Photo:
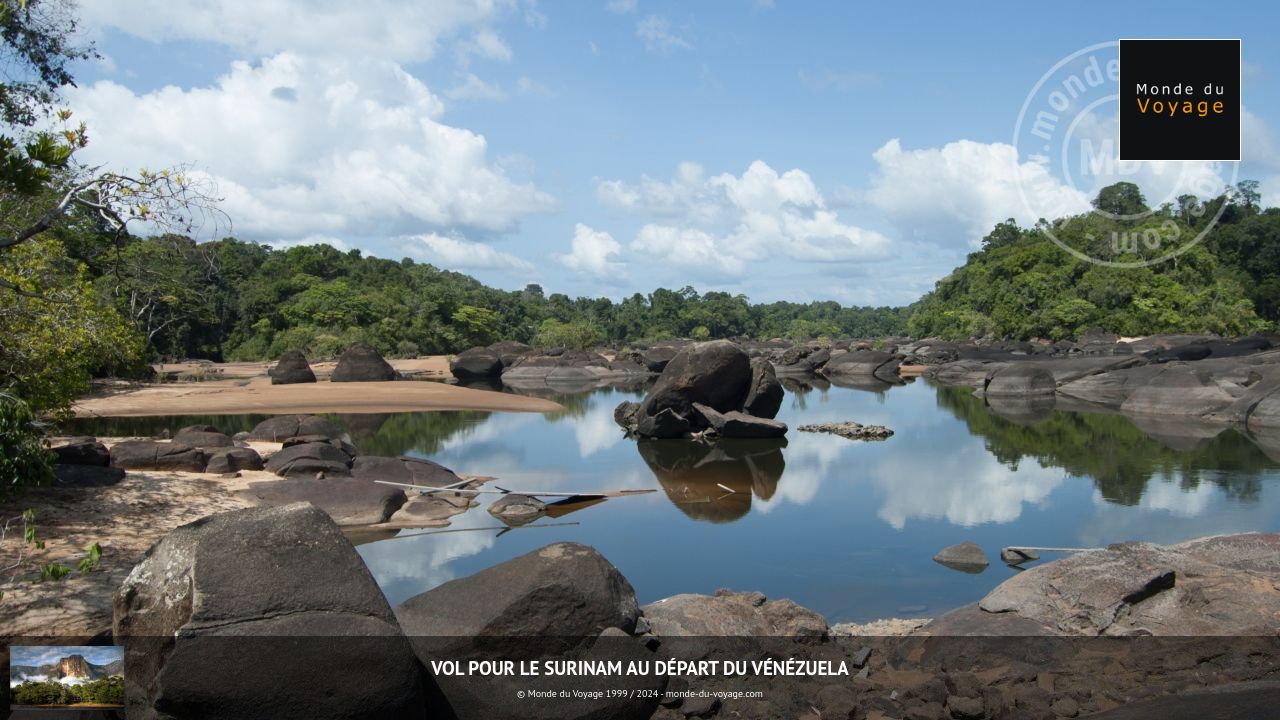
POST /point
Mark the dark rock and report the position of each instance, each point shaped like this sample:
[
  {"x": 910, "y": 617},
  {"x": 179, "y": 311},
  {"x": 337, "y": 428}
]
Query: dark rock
[
  {"x": 411, "y": 471},
  {"x": 254, "y": 600},
  {"x": 1184, "y": 391},
  {"x": 764, "y": 399},
  {"x": 517, "y": 509},
  {"x": 625, "y": 415},
  {"x": 302, "y": 459},
  {"x": 200, "y": 438},
  {"x": 665, "y": 425},
  {"x": 232, "y": 460},
  {"x": 1021, "y": 379},
  {"x": 565, "y": 593},
  {"x": 730, "y": 614},
  {"x": 1184, "y": 353},
  {"x": 694, "y": 475},
  {"x": 82, "y": 451},
  {"x": 361, "y": 363},
  {"x": 508, "y": 351},
  {"x": 1225, "y": 702},
  {"x": 700, "y": 707},
  {"x": 656, "y": 358},
  {"x": 1018, "y": 556},
  {"x": 283, "y": 427},
  {"x": 966, "y": 708},
  {"x": 85, "y": 475},
  {"x": 478, "y": 362},
  {"x": 152, "y": 455},
  {"x": 966, "y": 557},
  {"x": 291, "y": 369},
  {"x": 346, "y": 500},
  {"x": 717, "y": 374},
  {"x": 739, "y": 425},
  {"x": 864, "y": 362}
]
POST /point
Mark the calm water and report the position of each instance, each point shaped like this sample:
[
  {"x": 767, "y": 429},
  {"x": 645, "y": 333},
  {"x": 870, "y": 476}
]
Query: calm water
[{"x": 846, "y": 528}]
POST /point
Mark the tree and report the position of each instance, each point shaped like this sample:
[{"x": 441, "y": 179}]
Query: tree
[{"x": 1122, "y": 199}]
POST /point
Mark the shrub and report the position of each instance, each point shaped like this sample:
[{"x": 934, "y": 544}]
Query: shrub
[{"x": 23, "y": 459}]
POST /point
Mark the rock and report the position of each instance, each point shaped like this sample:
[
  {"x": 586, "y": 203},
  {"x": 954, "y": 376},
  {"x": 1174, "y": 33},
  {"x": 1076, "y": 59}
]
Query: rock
[
  {"x": 411, "y": 471},
  {"x": 565, "y": 594},
  {"x": 201, "y": 438},
  {"x": 339, "y": 443},
  {"x": 283, "y": 427},
  {"x": 700, "y": 707},
  {"x": 68, "y": 476},
  {"x": 1018, "y": 556},
  {"x": 1217, "y": 586},
  {"x": 152, "y": 455},
  {"x": 966, "y": 708},
  {"x": 1021, "y": 379},
  {"x": 717, "y": 374},
  {"x": 1183, "y": 391},
  {"x": 737, "y": 425},
  {"x": 625, "y": 415},
  {"x": 82, "y": 451},
  {"x": 1224, "y": 702},
  {"x": 291, "y": 369},
  {"x": 256, "y": 601},
  {"x": 1110, "y": 388},
  {"x": 1184, "y": 353},
  {"x": 851, "y": 430},
  {"x": 517, "y": 509},
  {"x": 508, "y": 351},
  {"x": 361, "y": 363},
  {"x": 232, "y": 460},
  {"x": 1065, "y": 707},
  {"x": 730, "y": 614},
  {"x": 665, "y": 425},
  {"x": 478, "y": 362},
  {"x": 656, "y": 358},
  {"x": 346, "y": 500},
  {"x": 764, "y": 398},
  {"x": 864, "y": 362},
  {"x": 1096, "y": 335},
  {"x": 966, "y": 557},
  {"x": 309, "y": 458},
  {"x": 694, "y": 475}
]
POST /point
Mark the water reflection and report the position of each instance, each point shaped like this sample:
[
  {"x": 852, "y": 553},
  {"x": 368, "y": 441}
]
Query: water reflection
[{"x": 715, "y": 482}]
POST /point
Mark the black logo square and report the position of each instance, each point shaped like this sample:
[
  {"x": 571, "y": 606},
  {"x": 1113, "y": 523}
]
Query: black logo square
[{"x": 1179, "y": 99}]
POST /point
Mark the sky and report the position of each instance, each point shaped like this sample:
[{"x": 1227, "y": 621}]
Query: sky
[{"x": 784, "y": 150}]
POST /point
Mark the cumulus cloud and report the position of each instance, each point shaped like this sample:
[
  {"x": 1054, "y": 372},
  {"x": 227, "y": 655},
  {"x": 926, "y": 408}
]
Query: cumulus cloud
[
  {"x": 473, "y": 88},
  {"x": 592, "y": 253},
  {"x": 301, "y": 146},
  {"x": 401, "y": 30},
  {"x": 485, "y": 44},
  {"x": 960, "y": 191},
  {"x": 456, "y": 253},
  {"x": 721, "y": 223},
  {"x": 656, "y": 32}
]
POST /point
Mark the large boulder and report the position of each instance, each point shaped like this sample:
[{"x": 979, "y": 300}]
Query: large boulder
[
  {"x": 81, "y": 476},
  {"x": 476, "y": 363},
  {"x": 261, "y": 613},
  {"x": 1216, "y": 586},
  {"x": 153, "y": 455},
  {"x": 764, "y": 398},
  {"x": 732, "y": 614},
  {"x": 1021, "y": 380},
  {"x": 410, "y": 471},
  {"x": 737, "y": 425},
  {"x": 716, "y": 374},
  {"x": 307, "y": 459},
  {"x": 82, "y": 451},
  {"x": 361, "y": 363},
  {"x": 235, "y": 459},
  {"x": 283, "y": 427},
  {"x": 965, "y": 557},
  {"x": 1181, "y": 390},
  {"x": 1110, "y": 388},
  {"x": 864, "y": 362},
  {"x": 656, "y": 358},
  {"x": 346, "y": 500},
  {"x": 291, "y": 369},
  {"x": 508, "y": 351},
  {"x": 202, "y": 436}
]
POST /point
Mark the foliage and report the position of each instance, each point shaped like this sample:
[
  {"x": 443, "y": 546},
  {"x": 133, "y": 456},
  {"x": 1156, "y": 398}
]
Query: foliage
[
  {"x": 1021, "y": 286},
  {"x": 23, "y": 459},
  {"x": 572, "y": 335},
  {"x": 55, "y": 329},
  {"x": 104, "y": 691}
]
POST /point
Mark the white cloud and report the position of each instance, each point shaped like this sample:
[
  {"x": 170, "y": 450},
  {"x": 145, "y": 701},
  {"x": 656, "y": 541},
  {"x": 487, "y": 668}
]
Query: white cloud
[
  {"x": 473, "y": 88},
  {"x": 485, "y": 44},
  {"x": 592, "y": 253},
  {"x": 656, "y": 32},
  {"x": 621, "y": 6},
  {"x": 456, "y": 253},
  {"x": 960, "y": 191},
  {"x": 719, "y": 224},
  {"x": 301, "y": 146},
  {"x": 402, "y": 30}
]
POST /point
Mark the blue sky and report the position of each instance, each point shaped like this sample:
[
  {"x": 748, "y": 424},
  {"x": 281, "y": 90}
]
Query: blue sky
[
  {"x": 608, "y": 147},
  {"x": 38, "y": 655}
]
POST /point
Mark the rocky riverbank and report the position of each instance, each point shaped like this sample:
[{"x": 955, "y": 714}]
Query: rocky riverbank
[{"x": 280, "y": 588}]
